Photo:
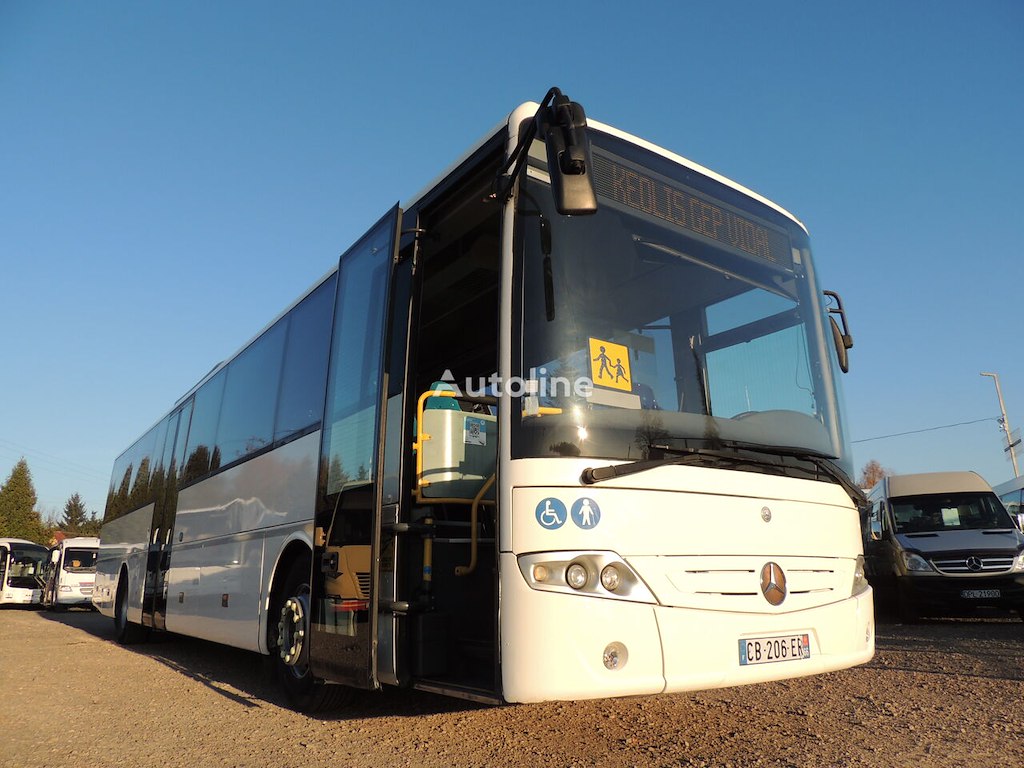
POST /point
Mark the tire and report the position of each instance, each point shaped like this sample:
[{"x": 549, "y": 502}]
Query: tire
[
  {"x": 303, "y": 692},
  {"x": 125, "y": 632}
]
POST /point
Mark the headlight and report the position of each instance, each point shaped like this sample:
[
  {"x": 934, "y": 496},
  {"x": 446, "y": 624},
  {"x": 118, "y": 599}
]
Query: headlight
[
  {"x": 595, "y": 574},
  {"x": 914, "y": 563},
  {"x": 610, "y": 578},
  {"x": 576, "y": 576},
  {"x": 860, "y": 580},
  {"x": 1018, "y": 562}
]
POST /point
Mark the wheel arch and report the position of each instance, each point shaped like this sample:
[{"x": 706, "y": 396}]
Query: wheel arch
[{"x": 293, "y": 550}]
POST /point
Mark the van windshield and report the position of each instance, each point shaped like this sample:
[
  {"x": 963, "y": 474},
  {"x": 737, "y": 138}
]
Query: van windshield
[
  {"x": 80, "y": 560},
  {"x": 934, "y": 513}
]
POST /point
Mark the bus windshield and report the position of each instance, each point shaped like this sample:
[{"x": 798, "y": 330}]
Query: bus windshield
[
  {"x": 691, "y": 308},
  {"x": 952, "y": 512},
  {"x": 26, "y": 565}
]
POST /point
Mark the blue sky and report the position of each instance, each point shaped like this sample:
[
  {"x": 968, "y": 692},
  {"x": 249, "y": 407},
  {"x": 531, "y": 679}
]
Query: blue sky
[{"x": 174, "y": 174}]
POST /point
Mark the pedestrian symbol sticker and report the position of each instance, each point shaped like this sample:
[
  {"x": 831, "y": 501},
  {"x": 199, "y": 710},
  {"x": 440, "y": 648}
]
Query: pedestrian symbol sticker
[
  {"x": 609, "y": 365},
  {"x": 551, "y": 514},
  {"x": 585, "y": 513}
]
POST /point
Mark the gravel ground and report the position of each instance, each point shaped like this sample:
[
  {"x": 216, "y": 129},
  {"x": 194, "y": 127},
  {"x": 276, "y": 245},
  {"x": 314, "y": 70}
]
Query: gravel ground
[{"x": 940, "y": 693}]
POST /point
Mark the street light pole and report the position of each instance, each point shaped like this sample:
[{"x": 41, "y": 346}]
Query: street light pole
[{"x": 1006, "y": 424}]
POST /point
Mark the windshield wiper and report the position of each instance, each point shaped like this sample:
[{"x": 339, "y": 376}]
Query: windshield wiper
[{"x": 821, "y": 461}]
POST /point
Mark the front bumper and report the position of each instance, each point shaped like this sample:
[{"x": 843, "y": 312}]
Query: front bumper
[{"x": 553, "y": 645}]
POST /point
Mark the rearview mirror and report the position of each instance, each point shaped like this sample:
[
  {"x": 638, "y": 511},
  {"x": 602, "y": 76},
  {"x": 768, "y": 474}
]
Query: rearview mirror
[
  {"x": 841, "y": 338},
  {"x": 563, "y": 128},
  {"x": 876, "y": 530}
]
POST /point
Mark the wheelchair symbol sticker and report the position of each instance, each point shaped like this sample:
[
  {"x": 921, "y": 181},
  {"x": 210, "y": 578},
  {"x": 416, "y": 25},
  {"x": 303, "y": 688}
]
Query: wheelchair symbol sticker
[
  {"x": 551, "y": 514},
  {"x": 585, "y": 513}
]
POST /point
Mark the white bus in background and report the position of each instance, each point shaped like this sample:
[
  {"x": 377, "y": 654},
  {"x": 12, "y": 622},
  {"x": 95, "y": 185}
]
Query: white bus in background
[
  {"x": 567, "y": 426},
  {"x": 21, "y": 567},
  {"x": 70, "y": 573}
]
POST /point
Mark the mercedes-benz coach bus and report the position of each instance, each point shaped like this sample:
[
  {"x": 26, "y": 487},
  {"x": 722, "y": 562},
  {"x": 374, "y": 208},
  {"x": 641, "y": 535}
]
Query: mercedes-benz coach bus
[{"x": 566, "y": 425}]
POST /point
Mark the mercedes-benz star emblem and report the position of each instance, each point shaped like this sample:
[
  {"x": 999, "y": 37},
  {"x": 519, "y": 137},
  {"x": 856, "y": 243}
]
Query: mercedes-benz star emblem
[
  {"x": 974, "y": 563},
  {"x": 773, "y": 583}
]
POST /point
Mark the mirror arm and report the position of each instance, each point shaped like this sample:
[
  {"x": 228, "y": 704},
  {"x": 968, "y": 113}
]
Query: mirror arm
[
  {"x": 839, "y": 310},
  {"x": 505, "y": 181},
  {"x": 562, "y": 125}
]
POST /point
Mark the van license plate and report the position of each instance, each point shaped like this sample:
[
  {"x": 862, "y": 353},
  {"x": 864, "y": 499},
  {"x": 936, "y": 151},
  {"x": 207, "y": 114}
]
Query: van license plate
[
  {"x": 979, "y": 594},
  {"x": 765, "y": 650}
]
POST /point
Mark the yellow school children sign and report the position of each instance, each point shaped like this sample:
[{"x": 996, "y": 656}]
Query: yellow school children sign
[{"x": 609, "y": 365}]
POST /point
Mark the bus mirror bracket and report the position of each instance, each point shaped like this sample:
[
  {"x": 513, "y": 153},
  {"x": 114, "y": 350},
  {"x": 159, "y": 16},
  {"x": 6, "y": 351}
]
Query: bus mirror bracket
[
  {"x": 562, "y": 125},
  {"x": 563, "y": 128},
  {"x": 841, "y": 338}
]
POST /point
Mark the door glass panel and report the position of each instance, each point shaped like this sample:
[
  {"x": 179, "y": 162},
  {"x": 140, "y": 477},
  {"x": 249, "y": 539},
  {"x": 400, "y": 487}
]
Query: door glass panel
[{"x": 354, "y": 391}]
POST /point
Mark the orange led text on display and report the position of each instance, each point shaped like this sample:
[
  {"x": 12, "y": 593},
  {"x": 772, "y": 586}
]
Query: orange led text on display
[{"x": 674, "y": 205}]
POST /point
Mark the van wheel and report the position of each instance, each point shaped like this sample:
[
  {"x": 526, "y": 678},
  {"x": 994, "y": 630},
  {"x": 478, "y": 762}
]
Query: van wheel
[
  {"x": 125, "y": 632},
  {"x": 289, "y": 646}
]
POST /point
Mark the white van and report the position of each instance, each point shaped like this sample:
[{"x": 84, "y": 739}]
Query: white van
[
  {"x": 70, "y": 573},
  {"x": 942, "y": 543}
]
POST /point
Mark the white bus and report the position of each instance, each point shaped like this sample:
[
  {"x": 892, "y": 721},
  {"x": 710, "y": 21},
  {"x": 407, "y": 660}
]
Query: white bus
[
  {"x": 70, "y": 573},
  {"x": 566, "y": 425},
  {"x": 21, "y": 567}
]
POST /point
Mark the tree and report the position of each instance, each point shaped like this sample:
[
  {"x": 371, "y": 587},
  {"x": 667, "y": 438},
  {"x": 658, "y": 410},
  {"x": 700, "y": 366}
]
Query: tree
[
  {"x": 91, "y": 527},
  {"x": 74, "y": 516},
  {"x": 871, "y": 474},
  {"x": 18, "y": 515}
]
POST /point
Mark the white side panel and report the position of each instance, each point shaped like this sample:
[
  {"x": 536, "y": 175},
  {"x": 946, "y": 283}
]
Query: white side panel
[
  {"x": 228, "y": 535},
  {"x": 123, "y": 541}
]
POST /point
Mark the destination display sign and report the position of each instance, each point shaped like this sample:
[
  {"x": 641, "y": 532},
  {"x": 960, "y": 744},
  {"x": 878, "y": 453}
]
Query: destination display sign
[{"x": 690, "y": 210}]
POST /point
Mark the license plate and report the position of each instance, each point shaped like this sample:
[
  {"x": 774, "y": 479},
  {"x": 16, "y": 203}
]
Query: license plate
[
  {"x": 979, "y": 594},
  {"x": 765, "y": 650}
]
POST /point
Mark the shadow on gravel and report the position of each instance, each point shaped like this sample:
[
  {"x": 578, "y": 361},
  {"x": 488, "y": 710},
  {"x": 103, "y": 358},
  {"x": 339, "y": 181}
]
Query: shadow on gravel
[
  {"x": 988, "y": 646},
  {"x": 246, "y": 677}
]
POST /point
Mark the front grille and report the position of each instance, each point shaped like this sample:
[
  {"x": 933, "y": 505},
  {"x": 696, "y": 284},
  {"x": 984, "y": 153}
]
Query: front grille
[{"x": 970, "y": 564}]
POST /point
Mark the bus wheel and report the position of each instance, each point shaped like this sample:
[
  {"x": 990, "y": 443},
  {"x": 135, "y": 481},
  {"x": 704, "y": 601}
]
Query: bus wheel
[
  {"x": 289, "y": 646},
  {"x": 125, "y": 632}
]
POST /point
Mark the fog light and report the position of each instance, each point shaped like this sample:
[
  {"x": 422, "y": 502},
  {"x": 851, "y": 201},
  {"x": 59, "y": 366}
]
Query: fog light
[
  {"x": 610, "y": 578},
  {"x": 540, "y": 573},
  {"x": 615, "y": 656},
  {"x": 576, "y": 576}
]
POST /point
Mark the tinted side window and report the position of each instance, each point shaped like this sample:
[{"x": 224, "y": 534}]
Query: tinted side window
[
  {"x": 250, "y": 395},
  {"x": 146, "y": 452},
  {"x": 120, "y": 485},
  {"x": 304, "y": 378},
  {"x": 200, "y": 449}
]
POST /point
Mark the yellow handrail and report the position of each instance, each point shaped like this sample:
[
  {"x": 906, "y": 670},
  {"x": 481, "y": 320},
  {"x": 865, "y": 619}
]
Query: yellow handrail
[{"x": 465, "y": 570}]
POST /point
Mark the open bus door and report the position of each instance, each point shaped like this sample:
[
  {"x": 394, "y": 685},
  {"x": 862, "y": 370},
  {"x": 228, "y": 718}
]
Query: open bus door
[{"x": 343, "y": 621}]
